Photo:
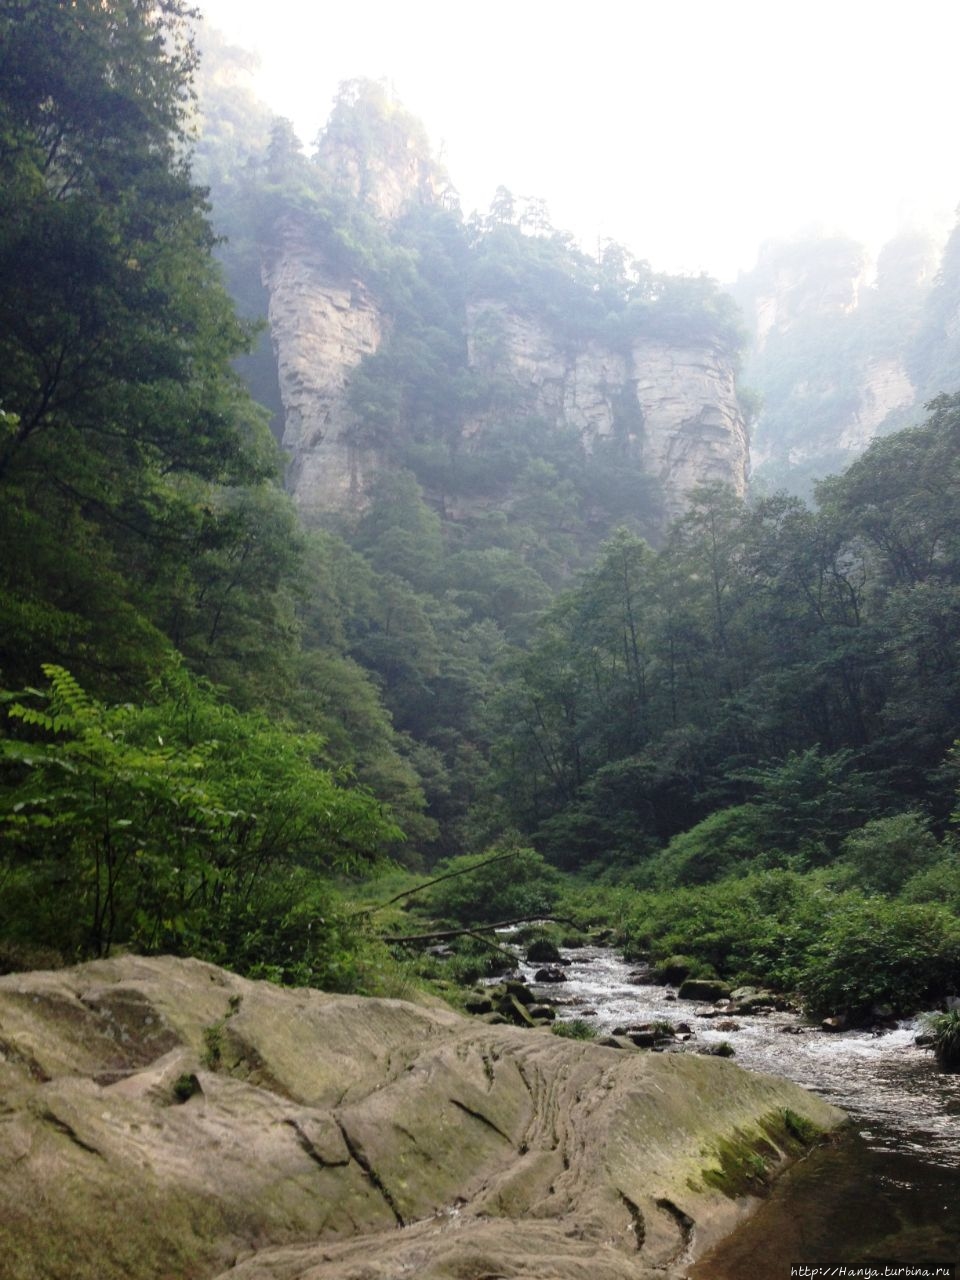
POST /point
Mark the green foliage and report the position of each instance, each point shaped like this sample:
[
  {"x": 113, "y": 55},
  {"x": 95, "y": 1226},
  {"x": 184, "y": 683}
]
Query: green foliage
[
  {"x": 887, "y": 852},
  {"x": 185, "y": 1087},
  {"x": 876, "y": 953},
  {"x": 574, "y": 1029},
  {"x": 944, "y": 1029},
  {"x": 938, "y": 883},
  {"x": 518, "y": 885},
  {"x": 160, "y": 824},
  {"x": 726, "y": 841},
  {"x": 760, "y": 924}
]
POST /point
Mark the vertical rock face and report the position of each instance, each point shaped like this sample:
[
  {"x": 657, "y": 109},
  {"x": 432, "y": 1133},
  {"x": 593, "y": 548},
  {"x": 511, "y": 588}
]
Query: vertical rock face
[
  {"x": 693, "y": 428},
  {"x": 672, "y": 408},
  {"x": 837, "y": 356},
  {"x": 322, "y": 325},
  {"x": 385, "y": 185},
  {"x": 886, "y": 388}
]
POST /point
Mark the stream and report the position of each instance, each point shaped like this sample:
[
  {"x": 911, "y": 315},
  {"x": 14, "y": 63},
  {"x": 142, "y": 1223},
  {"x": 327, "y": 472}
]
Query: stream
[{"x": 887, "y": 1194}]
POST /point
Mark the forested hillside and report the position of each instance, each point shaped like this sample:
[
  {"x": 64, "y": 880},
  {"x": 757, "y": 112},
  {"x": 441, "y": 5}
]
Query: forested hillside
[{"x": 733, "y": 731}]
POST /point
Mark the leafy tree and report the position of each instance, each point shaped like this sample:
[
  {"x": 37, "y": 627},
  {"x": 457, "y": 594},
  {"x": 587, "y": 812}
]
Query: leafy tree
[
  {"x": 886, "y": 852},
  {"x": 147, "y": 824}
]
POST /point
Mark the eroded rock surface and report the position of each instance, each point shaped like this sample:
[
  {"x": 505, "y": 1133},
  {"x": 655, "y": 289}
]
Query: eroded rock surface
[
  {"x": 322, "y": 322},
  {"x": 163, "y": 1118}
]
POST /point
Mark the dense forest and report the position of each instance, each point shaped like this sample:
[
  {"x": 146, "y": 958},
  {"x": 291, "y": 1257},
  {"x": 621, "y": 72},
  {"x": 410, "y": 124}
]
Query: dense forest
[{"x": 732, "y": 740}]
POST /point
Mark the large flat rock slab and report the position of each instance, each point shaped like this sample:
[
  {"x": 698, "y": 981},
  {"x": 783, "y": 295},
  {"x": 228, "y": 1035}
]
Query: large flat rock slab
[{"x": 162, "y": 1118}]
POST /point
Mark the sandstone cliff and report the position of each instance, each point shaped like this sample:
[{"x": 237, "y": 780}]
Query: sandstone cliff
[
  {"x": 322, "y": 322},
  {"x": 341, "y": 291},
  {"x": 163, "y": 1117},
  {"x": 833, "y": 355},
  {"x": 674, "y": 406}
]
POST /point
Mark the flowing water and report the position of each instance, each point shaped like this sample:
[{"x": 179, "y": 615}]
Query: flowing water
[{"x": 887, "y": 1194}]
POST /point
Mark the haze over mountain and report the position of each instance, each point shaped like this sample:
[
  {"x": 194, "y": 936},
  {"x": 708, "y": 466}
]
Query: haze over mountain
[{"x": 691, "y": 132}]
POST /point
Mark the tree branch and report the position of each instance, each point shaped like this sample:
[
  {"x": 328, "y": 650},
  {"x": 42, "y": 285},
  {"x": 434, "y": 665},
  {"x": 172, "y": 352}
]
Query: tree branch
[
  {"x": 448, "y": 875},
  {"x": 441, "y": 935}
]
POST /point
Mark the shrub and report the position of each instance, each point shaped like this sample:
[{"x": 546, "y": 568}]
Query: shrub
[
  {"x": 754, "y": 925},
  {"x": 886, "y": 852},
  {"x": 519, "y": 885},
  {"x": 874, "y": 952},
  {"x": 938, "y": 883},
  {"x": 945, "y": 1031},
  {"x": 712, "y": 849}
]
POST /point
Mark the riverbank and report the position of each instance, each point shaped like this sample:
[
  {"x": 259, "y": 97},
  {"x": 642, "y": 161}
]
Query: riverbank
[
  {"x": 888, "y": 1191},
  {"x": 188, "y": 1122}
]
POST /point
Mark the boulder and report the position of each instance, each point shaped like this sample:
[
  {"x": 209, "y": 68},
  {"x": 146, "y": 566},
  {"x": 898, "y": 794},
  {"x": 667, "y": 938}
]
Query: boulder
[
  {"x": 707, "y": 989},
  {"x": 674, "y": 970},
  {"x": 543, "y": 951},
  {"x": 543, "y": 1011},
  {"x": 836, "y": 1023},
  {"x": 478, "y": 1004},
  {"x": 514, "y": 1011},
  {"x": 519, "y": 990},
  {"x": 550, "y": 975}
]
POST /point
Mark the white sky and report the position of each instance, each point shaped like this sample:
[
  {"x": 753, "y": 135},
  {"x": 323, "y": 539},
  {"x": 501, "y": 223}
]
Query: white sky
[{"x": 689, "y": 130}]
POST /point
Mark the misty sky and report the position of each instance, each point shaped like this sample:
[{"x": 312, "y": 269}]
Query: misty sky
[{"x": 689, "y": 130}]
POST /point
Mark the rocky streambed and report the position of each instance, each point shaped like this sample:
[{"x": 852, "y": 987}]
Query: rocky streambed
[
  {"x": 162, "y": 1119},
  {"x": 888, "y": 1193}
]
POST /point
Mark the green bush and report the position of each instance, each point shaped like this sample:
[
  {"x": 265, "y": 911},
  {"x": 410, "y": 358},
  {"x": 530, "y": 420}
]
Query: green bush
[
  {"x": 575, "y": 1029},
  {"x": 751, "y": 927},
  {"x": 518, "y": 885},
  {"x": 938, "y": 883},
  {"x": 874, "y": 952},
  {"x": 945, "y": 1030},
  {"x": 885, "y": 853},
  {"x": 712, "y": 849}
]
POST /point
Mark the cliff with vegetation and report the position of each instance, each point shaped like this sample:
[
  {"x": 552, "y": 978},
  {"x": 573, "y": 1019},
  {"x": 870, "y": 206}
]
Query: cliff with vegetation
[
  {"x": 399, "y": 331},
  {"x": 840, "y": 354}
]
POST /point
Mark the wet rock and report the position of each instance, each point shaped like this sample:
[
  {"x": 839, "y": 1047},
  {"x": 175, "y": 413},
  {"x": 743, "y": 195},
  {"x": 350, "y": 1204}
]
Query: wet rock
[
  {"x": 614, "y": 1042},
  {"x": 641, "y": 977},
  {"x": 704, "y": 989},
  {"x": 520, "y": 990},
  {"x": 478, "y": 1004},
  {"x": 550, "y": 975},
  {"x": 683, "y": 1029},
  {"x": 836, "y": 1023},
  {"x": 674, "y": 970},
  {"x": 514, "y": 1011},
  {"x": 543, "y": 951},
  {"x": 743, "y": 994},
  {"x": 545, "y": 1012},
  {"x": 728, "y": 1024}
]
